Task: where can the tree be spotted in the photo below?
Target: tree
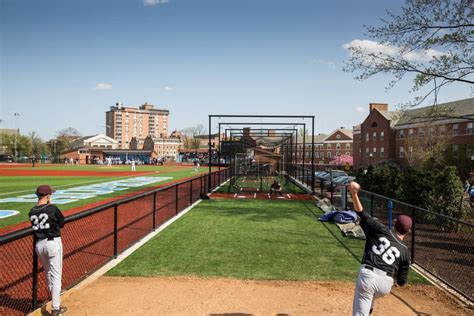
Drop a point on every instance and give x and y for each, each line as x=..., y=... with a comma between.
x=37, y=145
x=431, y=40
x=22, y=144
x=191, y=139
x=65, y=137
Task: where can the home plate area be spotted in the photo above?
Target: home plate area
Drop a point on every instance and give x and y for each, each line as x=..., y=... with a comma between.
x=261, y=196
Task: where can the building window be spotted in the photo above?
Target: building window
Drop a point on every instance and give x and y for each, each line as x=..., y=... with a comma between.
x=470, y=128
x=316, y=154
x=402, y=153
x=442, y=129
x=367, y=151
x=410, y=149
x=348, y=146
x=455, y=129
x=382, y=152
x=421, y=132
x=348, y=153
x=338, y=146
x=328, y=146
x=374, y=136
x=382, y=136
x=401, y=134
x=374, y=150
x=366, y=137
x=337, y=153
x=360, y=152
x=410, y=132
x=455, y=148
x=328, y=154
x=374, y=124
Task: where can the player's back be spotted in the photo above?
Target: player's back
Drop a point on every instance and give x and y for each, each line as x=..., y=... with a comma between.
x=46, y=221
x=384, y=250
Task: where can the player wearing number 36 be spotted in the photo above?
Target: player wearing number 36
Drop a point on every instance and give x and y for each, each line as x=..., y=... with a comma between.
x=46, y=221
x=385, y=257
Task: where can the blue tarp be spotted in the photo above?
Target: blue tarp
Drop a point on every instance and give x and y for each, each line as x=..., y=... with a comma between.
x=341, y=217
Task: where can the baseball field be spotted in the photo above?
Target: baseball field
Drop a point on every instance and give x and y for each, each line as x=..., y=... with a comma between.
x=248, y=257
x=78, y=187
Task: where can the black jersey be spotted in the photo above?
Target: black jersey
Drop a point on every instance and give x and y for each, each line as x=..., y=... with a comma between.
x=384, y=250
x=46, y=221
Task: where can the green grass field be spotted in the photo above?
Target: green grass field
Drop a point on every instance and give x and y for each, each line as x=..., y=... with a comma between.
x=247, y=183
x=14, y=186
x=250, y=239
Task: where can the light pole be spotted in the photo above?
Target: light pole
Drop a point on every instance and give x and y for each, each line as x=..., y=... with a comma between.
x=16, y=114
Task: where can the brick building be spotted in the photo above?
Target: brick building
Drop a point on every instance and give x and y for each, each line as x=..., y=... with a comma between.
x=402, y=137
x=327, y=147
x=124, y=123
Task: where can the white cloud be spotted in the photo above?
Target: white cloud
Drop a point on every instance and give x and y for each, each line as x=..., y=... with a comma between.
x=324, y=62
x=375, y=48
x=103, y=86
x=360, y=109
x=168, y=88
x=150, y=3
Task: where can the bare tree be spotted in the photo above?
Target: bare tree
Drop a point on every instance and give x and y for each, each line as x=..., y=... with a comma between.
x=430, y=41
x=37, y=144
x=192, y=136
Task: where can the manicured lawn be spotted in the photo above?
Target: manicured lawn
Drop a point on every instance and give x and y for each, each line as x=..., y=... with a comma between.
x=248, y=239
x=20, y=185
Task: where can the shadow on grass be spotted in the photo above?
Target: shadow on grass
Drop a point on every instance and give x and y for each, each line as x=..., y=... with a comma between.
x=349, y=250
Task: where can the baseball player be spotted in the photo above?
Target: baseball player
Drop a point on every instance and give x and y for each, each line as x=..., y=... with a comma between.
x=46, y=221
x=133, y=165
x=385, y=257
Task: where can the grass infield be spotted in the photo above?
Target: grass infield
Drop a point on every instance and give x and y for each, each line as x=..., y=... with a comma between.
x=250, y=239
x=14, y=186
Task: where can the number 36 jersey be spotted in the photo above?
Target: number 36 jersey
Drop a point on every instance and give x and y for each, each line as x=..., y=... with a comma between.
x=384, y=250
x=46, y=221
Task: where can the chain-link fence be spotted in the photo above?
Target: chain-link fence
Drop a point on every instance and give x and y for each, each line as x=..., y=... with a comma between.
x=91, y=239
x=442, y=245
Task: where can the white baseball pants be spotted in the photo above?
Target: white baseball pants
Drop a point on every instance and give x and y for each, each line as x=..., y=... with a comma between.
x=50, y=252
x=370, y=286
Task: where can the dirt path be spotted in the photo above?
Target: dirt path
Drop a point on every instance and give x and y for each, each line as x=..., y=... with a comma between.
x=194, y=296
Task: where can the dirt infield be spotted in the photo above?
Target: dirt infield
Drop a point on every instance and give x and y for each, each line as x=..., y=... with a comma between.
x=195, y=296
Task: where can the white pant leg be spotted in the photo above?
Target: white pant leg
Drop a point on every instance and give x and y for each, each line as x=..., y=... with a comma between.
x=55, y=255
x=364, y=293
x=42, y=253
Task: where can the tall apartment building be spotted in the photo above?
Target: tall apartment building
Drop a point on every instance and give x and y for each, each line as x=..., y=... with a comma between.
x=394, y=136
x=124, y=123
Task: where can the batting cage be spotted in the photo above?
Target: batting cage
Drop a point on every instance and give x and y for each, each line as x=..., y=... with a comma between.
x=261, y=151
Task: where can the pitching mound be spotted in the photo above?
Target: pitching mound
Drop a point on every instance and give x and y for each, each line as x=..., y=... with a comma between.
x=195, y=296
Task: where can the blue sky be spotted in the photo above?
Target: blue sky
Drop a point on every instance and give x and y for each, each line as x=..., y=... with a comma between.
x=65, y=62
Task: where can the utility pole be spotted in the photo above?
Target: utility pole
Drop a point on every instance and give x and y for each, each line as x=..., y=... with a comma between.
x=16, y=114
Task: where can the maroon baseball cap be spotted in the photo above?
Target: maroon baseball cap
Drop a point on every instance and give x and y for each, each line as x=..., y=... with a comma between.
x=403, y=224
x=43, y=190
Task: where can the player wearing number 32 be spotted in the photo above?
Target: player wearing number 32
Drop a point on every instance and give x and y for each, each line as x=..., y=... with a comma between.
x=46, y=221
x=385, y=257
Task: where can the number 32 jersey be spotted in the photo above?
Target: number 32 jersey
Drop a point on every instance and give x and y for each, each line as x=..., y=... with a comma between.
x=46, y=221
x=384, y=250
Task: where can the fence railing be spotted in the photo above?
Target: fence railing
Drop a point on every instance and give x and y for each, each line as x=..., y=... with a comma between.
x=91, y=239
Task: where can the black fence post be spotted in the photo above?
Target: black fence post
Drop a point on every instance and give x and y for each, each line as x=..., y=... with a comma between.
x=115, y=231
x=371, y=205
x=154, y=210
x=346, y=199
x=176, y=198
x=413, y=228
x=200, y=191
x=190, y=192
x=34, y=288
x=321, y=185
